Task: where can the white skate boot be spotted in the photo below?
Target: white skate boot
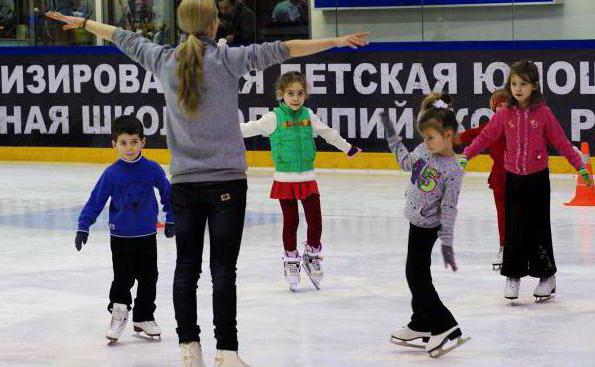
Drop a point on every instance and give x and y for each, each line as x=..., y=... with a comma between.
x=405, y=335
x=497, y=262
x=437, y=345
x=229, y=358
x=312, y=263
x=291, y=269
x=191, y=355
x=150, y=329
x=118, y=323
x=511, y=289
x=545, y=289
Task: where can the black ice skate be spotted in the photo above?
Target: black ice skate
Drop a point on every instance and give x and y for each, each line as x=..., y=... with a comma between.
x=405, y=335
x=439, y=345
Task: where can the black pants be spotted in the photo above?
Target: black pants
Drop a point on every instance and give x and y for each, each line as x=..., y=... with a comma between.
x=135, y=258
x=429, y=313
x=528, y=249
x=223, y=206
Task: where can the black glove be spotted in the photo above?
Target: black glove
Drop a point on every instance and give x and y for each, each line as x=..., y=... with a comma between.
x=448, y=255
x=389, y=130
x=170, y=230
x=81, y=238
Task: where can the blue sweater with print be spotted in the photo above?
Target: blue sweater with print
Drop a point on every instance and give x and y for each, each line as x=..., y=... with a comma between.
x=133, y=207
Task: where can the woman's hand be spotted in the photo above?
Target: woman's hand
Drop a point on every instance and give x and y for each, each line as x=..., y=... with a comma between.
x=70, y=22
x=353, y=40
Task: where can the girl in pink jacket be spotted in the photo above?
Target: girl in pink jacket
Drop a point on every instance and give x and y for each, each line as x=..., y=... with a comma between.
x=527, y=125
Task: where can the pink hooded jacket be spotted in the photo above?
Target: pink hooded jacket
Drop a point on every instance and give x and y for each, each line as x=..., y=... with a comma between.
x=527, y=132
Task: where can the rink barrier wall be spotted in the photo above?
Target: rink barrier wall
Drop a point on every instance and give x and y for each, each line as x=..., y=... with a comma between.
x=330, y=160
x=58, y=113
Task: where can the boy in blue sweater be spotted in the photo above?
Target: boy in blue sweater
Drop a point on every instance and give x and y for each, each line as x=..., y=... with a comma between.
x=133, y=210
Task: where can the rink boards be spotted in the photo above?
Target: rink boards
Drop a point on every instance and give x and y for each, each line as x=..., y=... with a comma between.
x=57, y=103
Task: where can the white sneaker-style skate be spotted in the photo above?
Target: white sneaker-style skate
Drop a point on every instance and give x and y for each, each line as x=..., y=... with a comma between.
x=511, y=289
x=191, y=355
x=497, y=262
x=437, y=345
x=229, y=358
x=291, y=269
x=312, y=263
x=147, y=329
x=405, y=335
x=545, y=289
x=118, y=323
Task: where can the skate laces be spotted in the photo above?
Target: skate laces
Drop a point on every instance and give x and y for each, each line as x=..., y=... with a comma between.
x=292, y=268
x=314, y=261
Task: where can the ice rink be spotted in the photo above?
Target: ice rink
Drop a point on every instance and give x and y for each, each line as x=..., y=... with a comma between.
x=53, y=299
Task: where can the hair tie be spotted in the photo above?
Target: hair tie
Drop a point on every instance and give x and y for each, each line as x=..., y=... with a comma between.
x=440, y=104
x=85, y=21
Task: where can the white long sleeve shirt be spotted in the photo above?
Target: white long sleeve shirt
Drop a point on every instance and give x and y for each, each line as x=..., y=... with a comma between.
x=267, y=125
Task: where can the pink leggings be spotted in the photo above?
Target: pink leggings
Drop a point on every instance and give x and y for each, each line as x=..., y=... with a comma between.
x=291, y=220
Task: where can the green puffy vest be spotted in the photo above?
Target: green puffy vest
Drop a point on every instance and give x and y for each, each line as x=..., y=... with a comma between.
x=292, y=144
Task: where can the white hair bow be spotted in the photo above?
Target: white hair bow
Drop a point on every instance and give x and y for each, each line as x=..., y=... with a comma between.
x=440, y=104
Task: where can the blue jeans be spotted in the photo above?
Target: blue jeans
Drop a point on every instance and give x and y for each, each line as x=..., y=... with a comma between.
x=223, y=206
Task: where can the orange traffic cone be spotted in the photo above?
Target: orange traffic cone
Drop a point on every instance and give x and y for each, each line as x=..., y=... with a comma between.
x=585, y=195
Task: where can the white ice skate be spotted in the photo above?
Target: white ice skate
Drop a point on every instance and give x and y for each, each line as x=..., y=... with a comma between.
x=546, y=289
x=405, y=335
x=118, y=323
x=497, y=262
x=148, y=330
x=511, y=289
x=191, y=355
x=312, y=263
x=439, y=345
x=291, y=269
x=229, y=358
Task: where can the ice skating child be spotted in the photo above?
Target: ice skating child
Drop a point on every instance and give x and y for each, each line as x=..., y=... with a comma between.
x=291, y=128
x=133, y=210
x=200, y=79
x=497, y=178
x=527, y=126
x=431, y=209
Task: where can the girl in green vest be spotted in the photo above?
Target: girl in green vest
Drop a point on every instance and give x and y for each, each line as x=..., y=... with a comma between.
x=291, y=128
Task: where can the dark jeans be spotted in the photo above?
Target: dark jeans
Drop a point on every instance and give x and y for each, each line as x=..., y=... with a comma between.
x=135, y=258
x=429, y=314
x=528, y=249
x=223, y=206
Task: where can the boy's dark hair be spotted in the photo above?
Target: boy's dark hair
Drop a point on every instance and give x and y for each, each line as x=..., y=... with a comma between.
x=438, y=118
x=526, y=70
x=127, y=124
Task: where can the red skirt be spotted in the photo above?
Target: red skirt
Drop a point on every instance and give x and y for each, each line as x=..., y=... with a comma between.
x=293, y=190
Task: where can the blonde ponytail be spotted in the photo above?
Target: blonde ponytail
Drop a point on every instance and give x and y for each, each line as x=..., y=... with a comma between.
x=190, y=74
x=195, y=17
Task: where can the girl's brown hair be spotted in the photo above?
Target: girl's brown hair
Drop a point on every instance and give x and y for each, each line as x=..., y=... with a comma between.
x=429, y=101
x=286, y=80
x=528, y=72
x=439, y=118
x=195, y=17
